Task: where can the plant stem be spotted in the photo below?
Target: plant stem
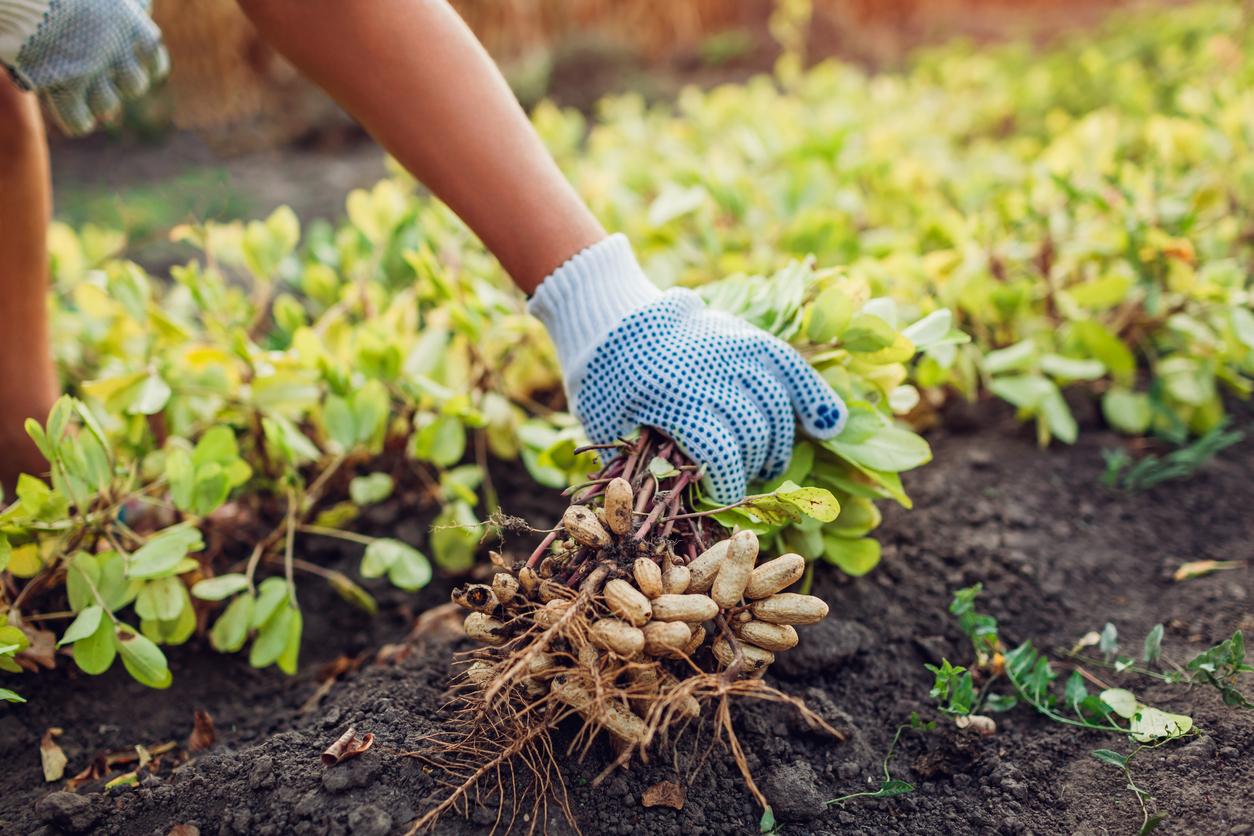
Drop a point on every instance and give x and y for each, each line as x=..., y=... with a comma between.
x=289, y=548
x=339, y=534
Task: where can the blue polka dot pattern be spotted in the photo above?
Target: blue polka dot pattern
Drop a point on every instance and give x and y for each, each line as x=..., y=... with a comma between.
x=725, y=391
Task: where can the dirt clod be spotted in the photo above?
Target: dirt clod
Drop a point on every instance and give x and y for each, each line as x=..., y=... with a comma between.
x=792, y=789
x=67, y=811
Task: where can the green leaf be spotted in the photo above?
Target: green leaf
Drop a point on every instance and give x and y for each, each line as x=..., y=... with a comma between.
x=767, y=823
x=1154, y=724
x=830, y=314
x=290, y=656
x=142, y=658
x=442, y=441
x=660, y=468
x=83, y=626
x=455, y=535
x=1121, y=701
x=161, y=599
x=230, y=631
x=273, y=637
x=1070, y=368
x=1102, y=293
x=337, y=417
x=82, y=574
x=1074, y=692
x=1019, y=357
x=10, y=696
x=405, y=566
x=1111, y=757
x=270, y=594
x=891, y=449
x=220, y=587
x=1101, y=344
x=164, y=551
x=371, y=488
x=853, y=557
x=867, y=333
x=1127, y=411
x=892, y=788
x=150, y=396
x=929, y=330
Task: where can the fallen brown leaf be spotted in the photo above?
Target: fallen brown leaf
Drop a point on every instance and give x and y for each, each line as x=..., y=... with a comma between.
x=41, y=652
x=665, y=794
x=349, y=745
x=184, y=830
x=203, y=734
x=51, y=756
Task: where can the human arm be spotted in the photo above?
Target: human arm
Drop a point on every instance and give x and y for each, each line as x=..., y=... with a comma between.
x=415, y=76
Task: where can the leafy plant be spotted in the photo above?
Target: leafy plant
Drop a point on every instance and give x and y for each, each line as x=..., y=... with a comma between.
x=1079, y=211
x=1144, y=473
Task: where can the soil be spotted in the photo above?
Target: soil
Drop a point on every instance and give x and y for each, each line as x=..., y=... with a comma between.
x=1057, y=553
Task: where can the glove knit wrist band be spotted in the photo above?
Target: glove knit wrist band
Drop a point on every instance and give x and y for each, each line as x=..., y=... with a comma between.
x=19, y=20
x=586, y=298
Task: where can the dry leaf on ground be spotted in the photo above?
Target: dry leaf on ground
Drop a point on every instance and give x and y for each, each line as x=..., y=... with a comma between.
x=665, y=794
x=349, y=745
x=51, y=756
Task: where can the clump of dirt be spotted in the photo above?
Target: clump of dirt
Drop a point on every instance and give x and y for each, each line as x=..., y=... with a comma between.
x=1057, y=553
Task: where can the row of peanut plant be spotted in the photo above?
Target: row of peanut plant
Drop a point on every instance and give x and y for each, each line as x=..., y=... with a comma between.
x=1000, y=221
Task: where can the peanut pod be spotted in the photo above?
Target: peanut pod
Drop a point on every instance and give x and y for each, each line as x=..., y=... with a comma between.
x=619, y=721
x=756, y=659
x=705, y=567
x=505, y=586
x=775, y=575
x=484, y=628
x=582, y=524
x=648, y=577
x=688, y=607
x=617, y=636
x=675, y=579
x=768, y=636
x=618, y=505
x=548, y=615
x=627, y=602
x=698, y=639
x=528, y=580
x=480, y=673
x=666, y=638
x=478, y=597
x=790, y=608
x=729, y=584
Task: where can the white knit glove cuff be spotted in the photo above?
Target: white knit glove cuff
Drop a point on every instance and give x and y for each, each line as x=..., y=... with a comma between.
x=19, y=20
x=586, y=298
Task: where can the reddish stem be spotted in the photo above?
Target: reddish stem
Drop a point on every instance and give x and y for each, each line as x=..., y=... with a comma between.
x=534, y=560
x=670, y=501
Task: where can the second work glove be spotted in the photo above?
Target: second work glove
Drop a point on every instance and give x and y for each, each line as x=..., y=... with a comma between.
x=729, y=394
x=83, y=57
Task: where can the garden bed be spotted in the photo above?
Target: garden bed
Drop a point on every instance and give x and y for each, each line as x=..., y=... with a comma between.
x=1057, y=553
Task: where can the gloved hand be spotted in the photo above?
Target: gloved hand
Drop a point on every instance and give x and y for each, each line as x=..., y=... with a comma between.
x=83, y=57
x=729, y=394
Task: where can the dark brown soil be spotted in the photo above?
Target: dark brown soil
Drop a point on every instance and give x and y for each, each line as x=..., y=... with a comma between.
x=1057, y=553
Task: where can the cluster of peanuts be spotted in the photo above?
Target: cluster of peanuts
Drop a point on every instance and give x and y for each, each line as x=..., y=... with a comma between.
x=654, y=604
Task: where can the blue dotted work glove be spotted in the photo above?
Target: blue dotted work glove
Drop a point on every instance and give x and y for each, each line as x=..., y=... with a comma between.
x=728, y=393
x=83, y=57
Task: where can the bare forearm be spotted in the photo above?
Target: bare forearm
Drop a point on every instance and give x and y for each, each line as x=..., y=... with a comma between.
x=415, y=76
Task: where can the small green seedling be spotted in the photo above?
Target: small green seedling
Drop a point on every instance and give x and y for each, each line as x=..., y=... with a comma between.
x=890, y=787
